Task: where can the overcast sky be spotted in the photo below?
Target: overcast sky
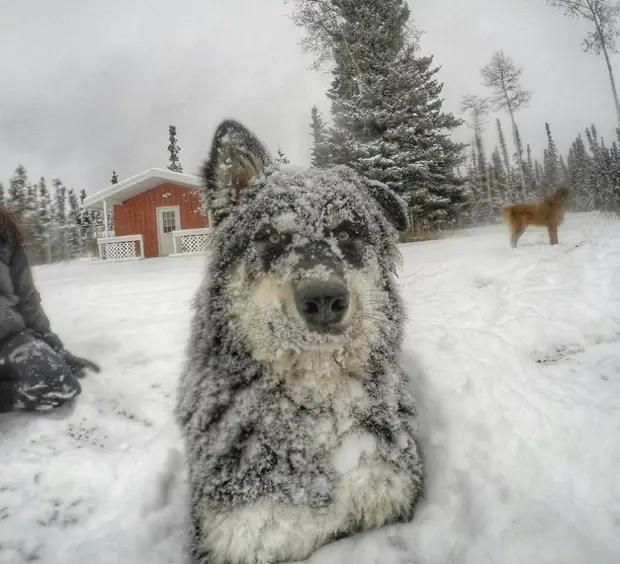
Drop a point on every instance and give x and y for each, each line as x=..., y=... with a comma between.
x=91, y=85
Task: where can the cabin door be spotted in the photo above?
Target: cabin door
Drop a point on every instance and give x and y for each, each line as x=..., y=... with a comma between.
x=168, y=219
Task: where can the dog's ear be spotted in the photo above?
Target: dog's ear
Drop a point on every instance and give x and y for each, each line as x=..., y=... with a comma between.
x=236, y=157
x=393, y=206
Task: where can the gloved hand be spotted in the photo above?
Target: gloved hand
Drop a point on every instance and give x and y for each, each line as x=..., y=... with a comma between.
x=53, y=341
x=76, y=364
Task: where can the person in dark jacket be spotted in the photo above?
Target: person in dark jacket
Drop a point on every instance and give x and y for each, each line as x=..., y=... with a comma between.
x=37, y=373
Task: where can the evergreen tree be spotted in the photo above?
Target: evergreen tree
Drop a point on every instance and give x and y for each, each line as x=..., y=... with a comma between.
x=520, y=161
x=281, y=158
x=31, y=195
x=318, y=126
x=483, y=178
x=45, y=206
x=114, y=177
x=532, y=186
x=513, y=191
x=580, y=175
x=394, y=131
x=60, y=202
x=386, y=106
x=174, y=150
x=499, y=178
x=74, y=233
x=18, y=191
x=482, y=188
x=1, y=194
x=551, y=163
x=30, y=220
x=563, y=170
x=44, y=230
x=85, y=219
x=58, y=234
x=504, y=148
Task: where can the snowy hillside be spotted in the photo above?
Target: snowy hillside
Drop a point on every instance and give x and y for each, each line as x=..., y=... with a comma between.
x=515, y=362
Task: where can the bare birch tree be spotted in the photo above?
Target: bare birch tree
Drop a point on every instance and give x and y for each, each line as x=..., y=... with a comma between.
x=503, y=78
x=604, y=17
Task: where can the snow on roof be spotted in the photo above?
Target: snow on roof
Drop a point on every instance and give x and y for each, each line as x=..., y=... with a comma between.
x=116, y=194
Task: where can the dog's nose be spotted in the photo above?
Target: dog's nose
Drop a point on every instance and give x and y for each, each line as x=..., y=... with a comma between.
x=322, y=303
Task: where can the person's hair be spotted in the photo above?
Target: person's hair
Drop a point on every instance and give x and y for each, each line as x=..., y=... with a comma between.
x=9, y=230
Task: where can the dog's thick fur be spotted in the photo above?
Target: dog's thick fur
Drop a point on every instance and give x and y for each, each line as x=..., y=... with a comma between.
x=547, y=213
x=294, y=436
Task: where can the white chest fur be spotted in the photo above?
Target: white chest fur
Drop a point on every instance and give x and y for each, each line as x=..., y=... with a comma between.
x=367, y=493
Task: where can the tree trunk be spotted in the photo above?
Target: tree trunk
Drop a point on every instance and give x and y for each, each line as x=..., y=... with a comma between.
x=613, y=82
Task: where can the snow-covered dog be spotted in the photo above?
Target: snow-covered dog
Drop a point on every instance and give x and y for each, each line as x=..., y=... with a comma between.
x=296, y=415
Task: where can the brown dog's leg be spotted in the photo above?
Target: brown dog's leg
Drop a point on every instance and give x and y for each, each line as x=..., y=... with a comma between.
x=553, y=234
x=516, y=230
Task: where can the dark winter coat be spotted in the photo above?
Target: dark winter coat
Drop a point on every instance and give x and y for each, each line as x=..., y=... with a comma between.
x=20, y=302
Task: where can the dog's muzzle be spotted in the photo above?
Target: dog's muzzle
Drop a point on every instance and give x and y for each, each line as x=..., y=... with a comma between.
x=322, y=304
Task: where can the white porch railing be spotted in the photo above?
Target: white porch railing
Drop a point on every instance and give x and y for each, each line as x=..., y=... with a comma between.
x=127, y=247
x=99, y=234
x=188, y=241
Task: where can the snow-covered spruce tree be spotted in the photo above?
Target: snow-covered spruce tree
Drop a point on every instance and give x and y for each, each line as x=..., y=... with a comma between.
x=394, y=131
x=20, y=203
x=479, y=210
x=60, y=202
x=17, y=193
x=281, y=157
x=319, y=158
x=580, y=176
x=615, y=156
x=538, y=172
x=519, y=160
x=386, y=109
x=531, y=184
x=605, y=175
x=504, y=154
x=45, y=220
x=74, y=232
x=85, y=217
x=29, y=224
x=552, y=172
x=563, y=169
x=514, y=188
x=484, y=197
x=499, y=178
x=31, y=195
x=2, y=200
x=596, y=185
x=58, y=236
x=173, y=150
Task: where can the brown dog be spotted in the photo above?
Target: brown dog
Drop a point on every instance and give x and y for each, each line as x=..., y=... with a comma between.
x=547, y=213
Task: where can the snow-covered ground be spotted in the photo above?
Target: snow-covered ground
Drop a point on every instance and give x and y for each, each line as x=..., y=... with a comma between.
x=515, y=362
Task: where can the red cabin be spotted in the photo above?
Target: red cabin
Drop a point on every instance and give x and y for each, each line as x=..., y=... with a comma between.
x=156, y=213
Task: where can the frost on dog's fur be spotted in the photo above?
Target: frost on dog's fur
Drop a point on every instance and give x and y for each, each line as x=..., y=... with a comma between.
x=295, y=436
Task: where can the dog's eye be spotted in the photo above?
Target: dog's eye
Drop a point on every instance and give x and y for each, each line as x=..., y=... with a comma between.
x=274, y=238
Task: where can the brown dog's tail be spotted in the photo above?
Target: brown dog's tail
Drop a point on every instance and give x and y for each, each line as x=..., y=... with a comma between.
x=507, y=213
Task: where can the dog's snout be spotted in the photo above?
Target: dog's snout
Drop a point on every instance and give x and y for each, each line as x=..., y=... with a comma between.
x=322, y=303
